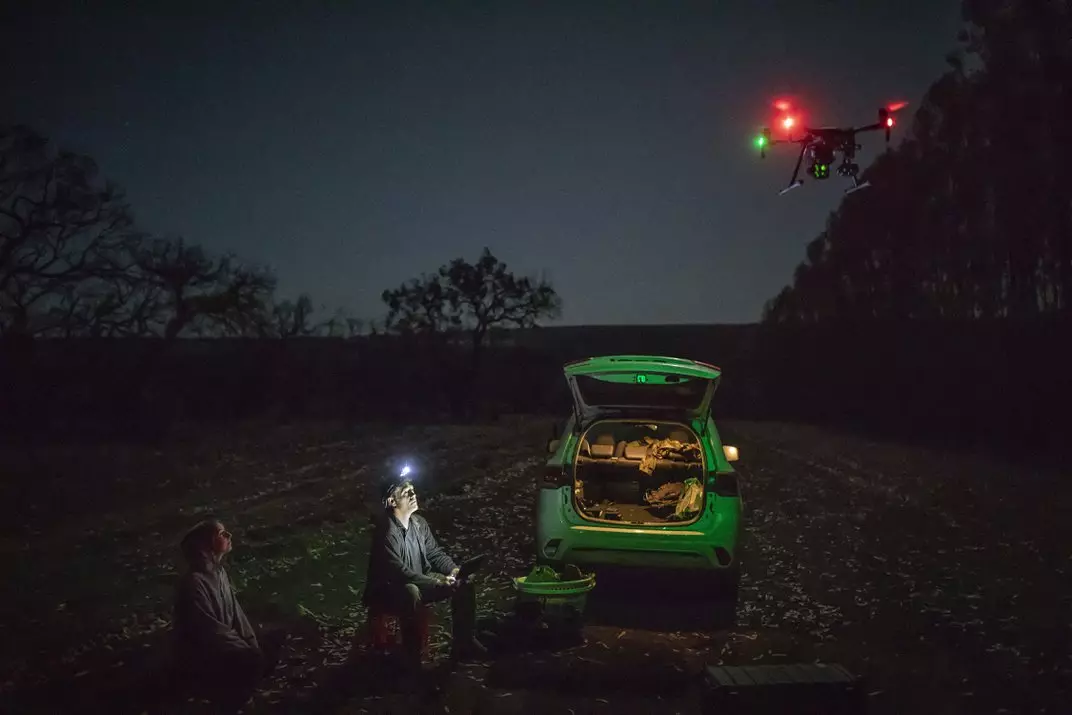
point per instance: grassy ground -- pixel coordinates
(941, 578)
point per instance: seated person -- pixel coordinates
(216, 648)
(408, 568)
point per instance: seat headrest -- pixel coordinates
(600, 449)
(635, 450)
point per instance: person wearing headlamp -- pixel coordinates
(408, 568)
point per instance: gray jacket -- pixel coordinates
(208, 617)
(400, 556)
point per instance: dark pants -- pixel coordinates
(229, 678)
(405, 600)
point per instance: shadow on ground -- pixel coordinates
(649, 600)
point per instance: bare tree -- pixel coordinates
(355, 327)
(340, 325)
(470, 297)
(61, 231)
(203, 295)
(486, 295)
(419, 306)
(291, 318)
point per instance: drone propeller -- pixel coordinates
(788, 118)
(885, 116)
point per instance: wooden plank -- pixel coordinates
(797, 672)
(759, 675)
(782, 675)
(739, 675)
(786, 688)
(816, 673)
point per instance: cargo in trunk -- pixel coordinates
(639, 473)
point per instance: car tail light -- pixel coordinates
(726, 485)
(554, 477)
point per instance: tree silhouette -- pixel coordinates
(62, 231)
(197, 293)
(290, 319)
(419, 307)
(486, 295)
(72, 263)
(470, 297)
(341, 324)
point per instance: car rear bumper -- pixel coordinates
(699, 558)
(705, 545)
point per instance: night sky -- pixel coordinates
(352, 146)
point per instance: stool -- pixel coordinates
(384, 629)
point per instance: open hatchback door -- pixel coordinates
(640, 457)
(641, 385)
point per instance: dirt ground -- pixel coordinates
(943, 579)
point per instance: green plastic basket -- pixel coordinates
(556, 601)
(555, 588)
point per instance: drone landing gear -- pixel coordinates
(795, 184)
(856, 186)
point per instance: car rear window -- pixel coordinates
(651, 390)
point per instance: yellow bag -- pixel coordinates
(691, 500)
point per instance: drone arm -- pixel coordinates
(770, 143)
(796, 169)
(875, 127)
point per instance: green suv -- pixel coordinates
(638, 476)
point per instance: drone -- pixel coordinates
(821, 145)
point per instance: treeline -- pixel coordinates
(84, 388)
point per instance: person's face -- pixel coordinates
(406, 499)
(221, 542)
